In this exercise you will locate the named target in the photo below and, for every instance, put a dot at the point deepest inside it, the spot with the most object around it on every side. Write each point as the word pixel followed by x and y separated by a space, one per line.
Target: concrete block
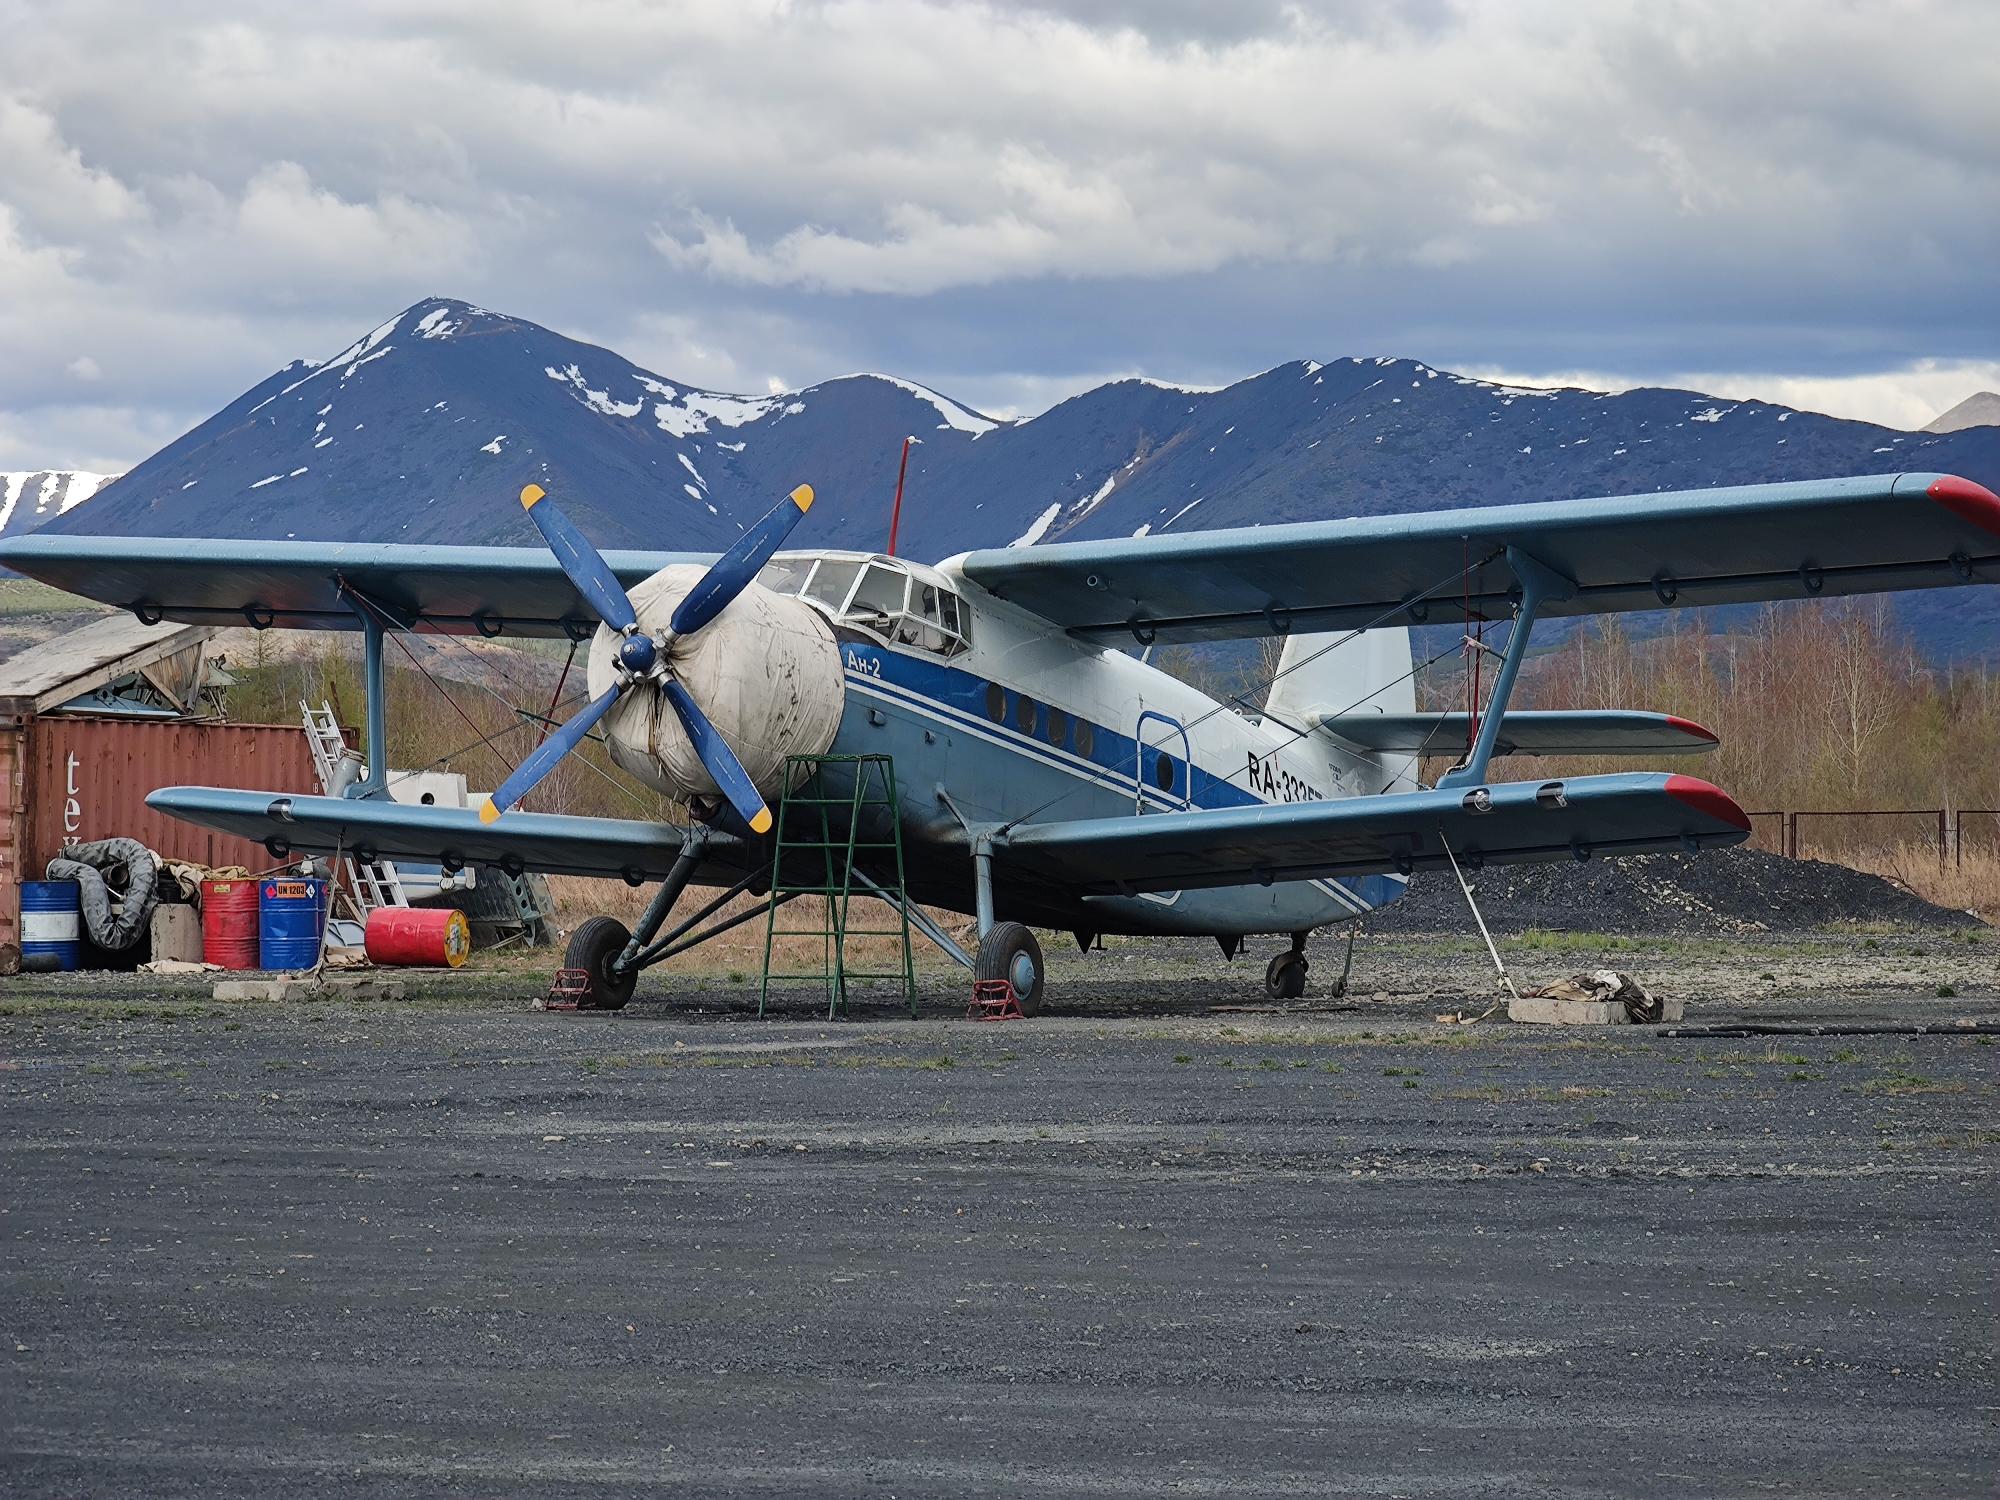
pixel 327 987
pixel 176 933
pixel 1537 1011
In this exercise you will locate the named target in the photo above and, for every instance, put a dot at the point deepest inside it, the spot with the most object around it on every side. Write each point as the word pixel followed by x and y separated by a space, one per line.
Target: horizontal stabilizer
pixel 450 836
pixel 1521 822
pixel 1555 732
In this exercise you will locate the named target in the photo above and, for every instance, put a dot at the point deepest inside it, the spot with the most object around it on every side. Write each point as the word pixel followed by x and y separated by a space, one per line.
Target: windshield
pixel 885 596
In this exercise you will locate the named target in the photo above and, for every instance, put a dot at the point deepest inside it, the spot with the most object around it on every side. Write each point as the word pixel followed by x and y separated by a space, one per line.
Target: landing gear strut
pixel 1285 976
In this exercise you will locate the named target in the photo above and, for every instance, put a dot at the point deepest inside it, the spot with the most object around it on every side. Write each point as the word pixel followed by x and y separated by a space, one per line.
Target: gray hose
pixel 122 865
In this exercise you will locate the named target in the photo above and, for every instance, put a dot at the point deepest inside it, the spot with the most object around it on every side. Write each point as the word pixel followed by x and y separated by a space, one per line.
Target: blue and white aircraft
pixel 1048 777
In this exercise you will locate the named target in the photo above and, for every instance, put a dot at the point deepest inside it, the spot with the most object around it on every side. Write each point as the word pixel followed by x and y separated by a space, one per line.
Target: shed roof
pixel 92 655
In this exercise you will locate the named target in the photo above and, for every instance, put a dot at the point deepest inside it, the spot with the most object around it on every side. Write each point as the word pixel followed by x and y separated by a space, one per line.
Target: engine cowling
pixel 766 671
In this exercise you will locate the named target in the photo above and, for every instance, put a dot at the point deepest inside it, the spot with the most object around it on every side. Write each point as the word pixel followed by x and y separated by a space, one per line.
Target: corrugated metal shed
pixel 68 778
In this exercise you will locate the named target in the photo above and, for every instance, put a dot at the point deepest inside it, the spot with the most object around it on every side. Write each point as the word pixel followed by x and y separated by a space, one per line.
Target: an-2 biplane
pixel 1048 778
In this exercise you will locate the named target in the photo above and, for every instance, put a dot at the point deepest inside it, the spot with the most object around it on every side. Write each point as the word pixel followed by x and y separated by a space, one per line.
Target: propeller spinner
pixel 643 658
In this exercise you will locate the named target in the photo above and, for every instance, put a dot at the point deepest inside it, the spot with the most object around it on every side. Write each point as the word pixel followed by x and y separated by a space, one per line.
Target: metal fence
pixel 1825 833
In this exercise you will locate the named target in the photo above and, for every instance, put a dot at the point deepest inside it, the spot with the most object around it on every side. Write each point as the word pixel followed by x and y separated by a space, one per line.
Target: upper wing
pixel 304 585
pixel 1596 731
pixel 1524 822
pixel 1719 546
pixel 451 836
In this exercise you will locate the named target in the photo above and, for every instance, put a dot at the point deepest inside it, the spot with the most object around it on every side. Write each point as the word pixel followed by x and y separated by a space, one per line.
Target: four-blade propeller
pixel 643 658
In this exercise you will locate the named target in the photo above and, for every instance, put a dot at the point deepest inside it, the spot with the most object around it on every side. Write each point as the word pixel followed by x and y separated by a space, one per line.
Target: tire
pixel 1285 976
pixel 1009 951
pixel 592 947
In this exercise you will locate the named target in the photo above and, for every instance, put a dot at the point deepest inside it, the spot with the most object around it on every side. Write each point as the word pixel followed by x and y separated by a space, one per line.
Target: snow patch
pixel 494 446
pixel 1144 527
pixel 1713 414
pixel 686 464
pixel 956 418
pixel 1181 512
pixel 267 479
pixel 1040 528
pixel 598 401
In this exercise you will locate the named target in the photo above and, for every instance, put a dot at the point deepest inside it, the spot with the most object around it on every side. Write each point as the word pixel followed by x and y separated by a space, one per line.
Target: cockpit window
pixel 900 602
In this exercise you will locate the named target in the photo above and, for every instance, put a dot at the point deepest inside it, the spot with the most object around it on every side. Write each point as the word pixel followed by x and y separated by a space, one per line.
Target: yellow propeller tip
pixel 762 822
pixel 802 497
pixel 488 813
pixel 530 495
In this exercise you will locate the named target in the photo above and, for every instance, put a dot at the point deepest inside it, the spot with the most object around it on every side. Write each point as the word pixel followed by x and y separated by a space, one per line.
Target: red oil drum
pixel 229 923
pixel 417 935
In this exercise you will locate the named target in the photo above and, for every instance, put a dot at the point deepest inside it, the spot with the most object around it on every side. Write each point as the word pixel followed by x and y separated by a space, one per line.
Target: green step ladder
pixel 821 831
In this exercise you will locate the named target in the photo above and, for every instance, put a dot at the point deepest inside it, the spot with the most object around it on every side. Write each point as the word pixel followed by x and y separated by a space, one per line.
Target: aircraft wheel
pixel 592 947
pixel 1009 951
pixel 1285 976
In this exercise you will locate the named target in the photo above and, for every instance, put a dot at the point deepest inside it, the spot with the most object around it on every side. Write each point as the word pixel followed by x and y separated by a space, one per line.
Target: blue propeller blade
pixel 580 563
pixel 728 574
pixel 554 748
pixel 720 759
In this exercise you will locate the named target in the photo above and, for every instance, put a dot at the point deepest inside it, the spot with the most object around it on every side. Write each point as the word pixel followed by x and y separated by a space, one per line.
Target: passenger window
pixel 1058 725
pixel 1024 714
pixel 1086 739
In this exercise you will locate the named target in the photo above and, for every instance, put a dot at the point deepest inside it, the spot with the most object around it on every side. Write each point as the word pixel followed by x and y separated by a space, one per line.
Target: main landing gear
pixel 1009 951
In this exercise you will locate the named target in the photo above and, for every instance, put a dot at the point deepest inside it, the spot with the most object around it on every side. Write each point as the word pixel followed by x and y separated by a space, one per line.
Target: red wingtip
pixel 1972 502
pixel 1696 731
pixel 1709 800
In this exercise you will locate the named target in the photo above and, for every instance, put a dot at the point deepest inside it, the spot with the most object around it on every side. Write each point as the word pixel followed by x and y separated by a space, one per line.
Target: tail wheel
pixel 592 948
pixel 1009 951
pixel 1285 976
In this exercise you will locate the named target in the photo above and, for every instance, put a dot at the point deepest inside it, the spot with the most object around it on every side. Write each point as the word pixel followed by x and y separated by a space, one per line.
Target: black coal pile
pixel 1724 892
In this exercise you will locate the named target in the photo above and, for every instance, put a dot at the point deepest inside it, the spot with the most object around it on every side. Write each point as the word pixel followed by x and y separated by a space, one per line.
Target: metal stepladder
pixel 374 883
pixel 824 824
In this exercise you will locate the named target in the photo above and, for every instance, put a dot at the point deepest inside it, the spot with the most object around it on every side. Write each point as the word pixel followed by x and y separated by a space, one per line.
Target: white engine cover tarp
pixel 766 671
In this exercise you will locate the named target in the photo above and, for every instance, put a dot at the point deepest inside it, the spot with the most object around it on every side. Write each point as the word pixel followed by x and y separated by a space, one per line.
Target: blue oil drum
pixel 51 920
pixel 291 915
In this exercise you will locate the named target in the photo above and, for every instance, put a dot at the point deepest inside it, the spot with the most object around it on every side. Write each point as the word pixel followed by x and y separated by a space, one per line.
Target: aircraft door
pixel 1161 774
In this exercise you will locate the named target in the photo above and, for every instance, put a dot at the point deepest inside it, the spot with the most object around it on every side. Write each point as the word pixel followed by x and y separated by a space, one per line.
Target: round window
pixel 1058 726
pixel 1163 772
pixel 1084 738
pixel 1024 714
pixel 996 703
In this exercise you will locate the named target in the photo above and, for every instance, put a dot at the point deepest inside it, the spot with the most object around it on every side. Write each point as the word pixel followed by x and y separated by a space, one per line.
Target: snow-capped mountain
pixel 426 429
pixel 30 497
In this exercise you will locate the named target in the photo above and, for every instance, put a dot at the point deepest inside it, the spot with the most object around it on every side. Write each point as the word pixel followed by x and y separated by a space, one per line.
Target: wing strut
pixel 1540 584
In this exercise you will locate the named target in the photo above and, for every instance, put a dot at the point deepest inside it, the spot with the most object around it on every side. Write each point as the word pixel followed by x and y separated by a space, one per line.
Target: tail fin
pixel 1368 673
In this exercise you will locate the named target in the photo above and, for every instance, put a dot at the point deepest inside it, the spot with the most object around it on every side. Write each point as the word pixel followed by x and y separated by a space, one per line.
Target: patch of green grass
pixel 1492 1093
pixel 1402 1072
pixel 1803 1076
pixel 1183 1057
pixel 1947 992
pixel 1899 1084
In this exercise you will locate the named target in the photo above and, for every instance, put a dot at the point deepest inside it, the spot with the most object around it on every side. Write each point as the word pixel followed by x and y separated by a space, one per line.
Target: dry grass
pixel 1968 884
pixel 742 949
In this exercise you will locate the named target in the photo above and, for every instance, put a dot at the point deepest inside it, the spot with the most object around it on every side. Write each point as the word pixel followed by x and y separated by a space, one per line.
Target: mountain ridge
pixel 425 428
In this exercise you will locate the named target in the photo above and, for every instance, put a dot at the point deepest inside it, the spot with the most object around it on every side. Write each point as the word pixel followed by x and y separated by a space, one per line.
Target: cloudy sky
pixel 1009 202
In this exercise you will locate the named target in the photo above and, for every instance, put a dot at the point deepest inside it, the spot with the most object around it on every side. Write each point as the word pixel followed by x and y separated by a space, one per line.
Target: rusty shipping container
pixel 71 779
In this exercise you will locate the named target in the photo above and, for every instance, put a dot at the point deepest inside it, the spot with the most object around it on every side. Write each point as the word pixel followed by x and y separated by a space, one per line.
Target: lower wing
pixel 448 836
pixel 1521 822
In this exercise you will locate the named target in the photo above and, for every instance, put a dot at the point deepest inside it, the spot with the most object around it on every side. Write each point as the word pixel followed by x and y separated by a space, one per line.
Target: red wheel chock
pixel 571 990
pixel 994 1000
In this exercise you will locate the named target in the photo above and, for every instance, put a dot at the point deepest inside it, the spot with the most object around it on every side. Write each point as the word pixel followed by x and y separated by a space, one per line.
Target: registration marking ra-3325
pixel 1047 776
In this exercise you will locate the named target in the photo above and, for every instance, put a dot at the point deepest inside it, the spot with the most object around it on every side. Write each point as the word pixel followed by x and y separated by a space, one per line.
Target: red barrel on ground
pixel 417 935
pixel 229 923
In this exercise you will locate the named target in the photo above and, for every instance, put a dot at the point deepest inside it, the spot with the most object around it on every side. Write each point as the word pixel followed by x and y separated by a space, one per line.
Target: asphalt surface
pixel 454 1247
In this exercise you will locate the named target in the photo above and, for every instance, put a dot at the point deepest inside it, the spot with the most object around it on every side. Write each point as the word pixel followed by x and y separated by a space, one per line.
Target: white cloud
pixel 729 188
pixel 1906 398
pixel 83 367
